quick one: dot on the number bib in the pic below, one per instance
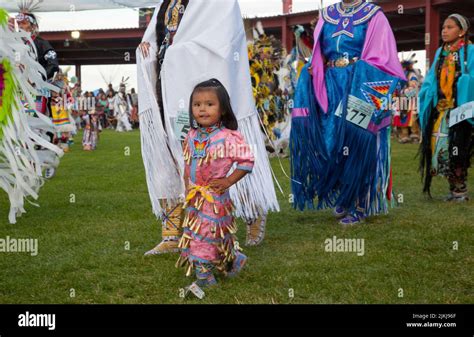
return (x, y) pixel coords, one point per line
(462, 113)
(181, 125)
(358, 112)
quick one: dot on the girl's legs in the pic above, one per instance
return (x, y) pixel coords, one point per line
(457, 185)
(460, 148)
(204, 274)
(204, 279)
(237, 265)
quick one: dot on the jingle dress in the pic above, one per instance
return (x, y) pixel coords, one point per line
(209, 237)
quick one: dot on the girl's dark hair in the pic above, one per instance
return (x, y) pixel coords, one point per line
(466, 36)
(227, 114)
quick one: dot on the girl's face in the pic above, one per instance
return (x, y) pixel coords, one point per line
(451, 31)
(206, 108)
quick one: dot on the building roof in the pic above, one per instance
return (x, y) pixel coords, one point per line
(109, 46)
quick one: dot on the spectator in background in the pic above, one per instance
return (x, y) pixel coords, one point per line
(110, 89)
(91, 130)
(134, 113)
(101, 107)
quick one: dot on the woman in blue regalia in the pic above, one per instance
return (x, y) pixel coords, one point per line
(340, 140)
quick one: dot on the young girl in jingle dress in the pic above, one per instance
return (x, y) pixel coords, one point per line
(212, 148)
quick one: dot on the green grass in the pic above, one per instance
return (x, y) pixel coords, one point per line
(82, 244)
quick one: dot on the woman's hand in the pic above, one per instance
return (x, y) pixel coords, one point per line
(145, 49)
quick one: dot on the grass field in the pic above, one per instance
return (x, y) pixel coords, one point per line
(83, 256)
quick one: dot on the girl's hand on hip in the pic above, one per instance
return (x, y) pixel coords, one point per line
(220, 185)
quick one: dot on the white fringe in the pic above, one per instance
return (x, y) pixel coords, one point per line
(255, 195)
(163, 170)
(20, 163)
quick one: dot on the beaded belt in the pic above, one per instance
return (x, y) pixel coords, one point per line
(341, 62)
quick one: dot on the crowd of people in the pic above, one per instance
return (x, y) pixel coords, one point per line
(101, 109)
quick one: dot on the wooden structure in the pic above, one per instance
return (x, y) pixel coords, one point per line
(416, 24)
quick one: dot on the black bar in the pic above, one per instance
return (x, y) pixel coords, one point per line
(210, 317)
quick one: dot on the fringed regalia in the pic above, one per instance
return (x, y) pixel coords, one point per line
(20, 161)
(209, 239)
(122, 111)
(446, 105)
(405, 119)
(301, 53)
(340, 137)
(91, 131)
(266, 55)
(405, 115)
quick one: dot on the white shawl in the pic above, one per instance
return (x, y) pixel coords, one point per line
(210, 43)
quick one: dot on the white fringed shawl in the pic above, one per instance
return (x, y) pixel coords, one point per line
(210, 43)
